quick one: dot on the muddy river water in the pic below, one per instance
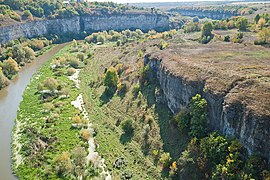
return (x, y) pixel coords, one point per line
(10, 98)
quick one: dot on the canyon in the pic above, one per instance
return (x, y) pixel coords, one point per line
(87, 23)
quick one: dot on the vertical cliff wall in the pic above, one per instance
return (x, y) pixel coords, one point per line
(227, 113)
(88, 23)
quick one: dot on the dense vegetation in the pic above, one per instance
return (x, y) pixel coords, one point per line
(58, 9)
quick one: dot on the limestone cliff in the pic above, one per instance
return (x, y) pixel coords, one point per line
(206, 13)
(89, 23)
(237, 111)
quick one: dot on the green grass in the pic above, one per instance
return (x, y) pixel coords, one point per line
(107, 117)
(31, 115)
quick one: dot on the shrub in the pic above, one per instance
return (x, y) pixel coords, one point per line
(50, 84)
(183, 120)
(111, 78)
(136, 89)
(29, 53)
(63, 163)
(86, 134)
(74, 62)
(78, 156)
(128, 126)
(10, 68)
(71, 71)
(3, 80)
(162, 44)
(76, 120)
(165, 159)
(80, 56)
(227, 38)
(101, 39)
(27, 15)
(37, 44)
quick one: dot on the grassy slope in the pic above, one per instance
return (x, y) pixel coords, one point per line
(107, 116)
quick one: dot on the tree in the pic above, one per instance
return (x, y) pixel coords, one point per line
(264, 35)
(18, 53)
(128, 126)
(214, 149)
(207, 29)
(242, 23)
(10, 68)
(111, 78)
(261, 23)
(198, 116)
(257, 18)
(27, 15)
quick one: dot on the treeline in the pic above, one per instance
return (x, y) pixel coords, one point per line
(127, 36)
(16, 53)
(57, 9)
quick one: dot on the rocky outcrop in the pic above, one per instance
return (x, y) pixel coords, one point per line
(227, 112)
(206, 13)
(90, 23)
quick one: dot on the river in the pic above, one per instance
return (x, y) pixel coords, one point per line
(10, 98)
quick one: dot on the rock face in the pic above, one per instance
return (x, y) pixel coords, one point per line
(206, 14)
(89, 23)
(229, 117)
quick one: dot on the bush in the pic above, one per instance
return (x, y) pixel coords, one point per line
(165, 160)
(3, 80)
(50, 84)
(183, 120)
(27, 15)
(128, 126)
(101, 39)
(29, 53)
(86, 134)
(81, 57)
(10, 68)
(74, 62)
(71, 71)
(227, 38)
(63, 163)
(136, 89)
(162, 44)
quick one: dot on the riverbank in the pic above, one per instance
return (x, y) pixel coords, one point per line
(46, 144)
(11, 96)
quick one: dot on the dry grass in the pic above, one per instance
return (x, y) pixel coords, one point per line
(222, 67)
